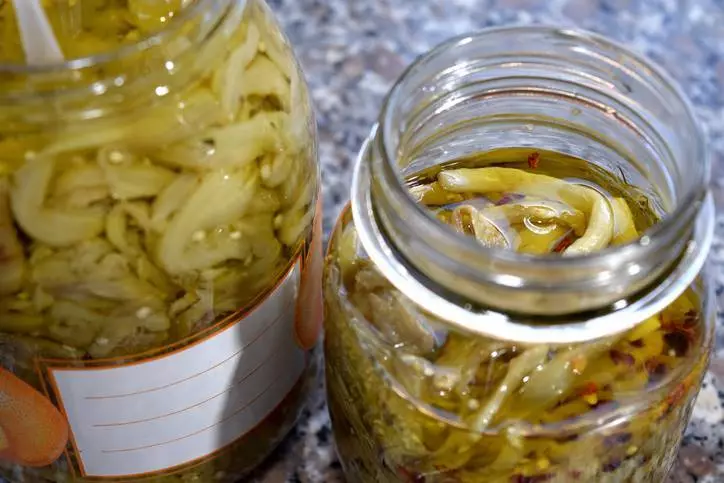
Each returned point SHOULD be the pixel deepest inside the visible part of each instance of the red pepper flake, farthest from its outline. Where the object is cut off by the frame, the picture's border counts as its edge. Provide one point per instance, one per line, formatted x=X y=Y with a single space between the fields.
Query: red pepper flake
x=673 y=399
x=678 y=342
x=409 y=476
x=575 y=474
x=611 y=466
x=622 y=358
x=651 y=365
x=656 y=370
x=589 y=393
x=638 y=343
x=685 y=328
x=532 y=479
x=533 y=160
x=564 y=243
x=691 y=317
x=589 y=388
x=676 y=395
x=617 y=439
x=509 y=198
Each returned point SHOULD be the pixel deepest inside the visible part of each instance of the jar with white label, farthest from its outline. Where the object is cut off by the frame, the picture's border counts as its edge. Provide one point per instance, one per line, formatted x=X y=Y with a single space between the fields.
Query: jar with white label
x=160 y=278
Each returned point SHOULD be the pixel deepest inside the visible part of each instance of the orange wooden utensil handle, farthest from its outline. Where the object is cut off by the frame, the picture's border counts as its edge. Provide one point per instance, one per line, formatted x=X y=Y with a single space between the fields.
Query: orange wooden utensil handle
x=33 y=432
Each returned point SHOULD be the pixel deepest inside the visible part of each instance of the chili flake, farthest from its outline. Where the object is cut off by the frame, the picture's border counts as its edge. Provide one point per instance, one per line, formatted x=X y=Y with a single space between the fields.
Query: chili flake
x=589 y=388
x=680 y=335
x=532 y=479
x=656 y=369
x=676 y=395
x=622 y=358
x=691 y=317
x=409 y=476
x=533 y=160
x=611 y=466
x=589 y=393
x=509 y=198
x=617 y=439
x=564 y=243
x=575 y=474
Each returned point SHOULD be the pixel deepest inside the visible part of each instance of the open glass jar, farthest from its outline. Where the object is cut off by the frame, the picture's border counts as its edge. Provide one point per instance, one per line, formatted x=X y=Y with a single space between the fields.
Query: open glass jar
x=160 y=250
x=480 y=356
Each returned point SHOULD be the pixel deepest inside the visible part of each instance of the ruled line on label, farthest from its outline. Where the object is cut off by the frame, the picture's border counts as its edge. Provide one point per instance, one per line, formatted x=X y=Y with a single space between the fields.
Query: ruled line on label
x=228 y=359
x=227 y=390
x=196 y=433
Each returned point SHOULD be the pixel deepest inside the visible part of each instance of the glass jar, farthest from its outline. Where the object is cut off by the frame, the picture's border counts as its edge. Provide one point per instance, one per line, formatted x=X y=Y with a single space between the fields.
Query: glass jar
x=503 y=366
x=160 y=277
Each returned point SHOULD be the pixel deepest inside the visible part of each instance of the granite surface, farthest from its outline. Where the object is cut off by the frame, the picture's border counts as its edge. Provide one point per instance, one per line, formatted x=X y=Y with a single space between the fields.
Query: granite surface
x=352 y=50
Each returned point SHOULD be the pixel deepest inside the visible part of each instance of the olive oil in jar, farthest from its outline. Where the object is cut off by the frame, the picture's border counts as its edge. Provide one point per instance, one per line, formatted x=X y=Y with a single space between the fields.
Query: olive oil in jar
x=534 y=201
x=91 y=27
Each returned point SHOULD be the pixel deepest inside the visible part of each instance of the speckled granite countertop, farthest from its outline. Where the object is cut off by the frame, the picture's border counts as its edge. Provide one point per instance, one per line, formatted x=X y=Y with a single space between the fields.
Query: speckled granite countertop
x=352 y=50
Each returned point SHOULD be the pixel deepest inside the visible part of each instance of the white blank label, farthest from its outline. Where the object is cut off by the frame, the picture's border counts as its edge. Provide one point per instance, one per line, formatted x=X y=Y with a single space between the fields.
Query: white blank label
x=169 y=411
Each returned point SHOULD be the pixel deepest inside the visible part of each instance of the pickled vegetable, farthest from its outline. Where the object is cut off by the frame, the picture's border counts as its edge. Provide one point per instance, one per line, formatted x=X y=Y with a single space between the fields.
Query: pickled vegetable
x=90 y=27
x=136 y=228
x=413 y=400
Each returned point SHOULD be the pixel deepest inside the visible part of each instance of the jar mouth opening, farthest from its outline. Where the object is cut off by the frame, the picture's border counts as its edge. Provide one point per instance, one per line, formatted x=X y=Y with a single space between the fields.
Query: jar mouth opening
x=687 y=204
x=210 y=9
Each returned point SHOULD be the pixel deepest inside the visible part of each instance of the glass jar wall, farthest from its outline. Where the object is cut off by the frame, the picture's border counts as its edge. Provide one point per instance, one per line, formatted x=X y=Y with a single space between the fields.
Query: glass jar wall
x=487 y=357
x=159 y=232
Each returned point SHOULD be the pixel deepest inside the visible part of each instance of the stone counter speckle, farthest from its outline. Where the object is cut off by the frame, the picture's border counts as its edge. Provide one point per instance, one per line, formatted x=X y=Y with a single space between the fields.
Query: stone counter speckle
x=352 y=51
